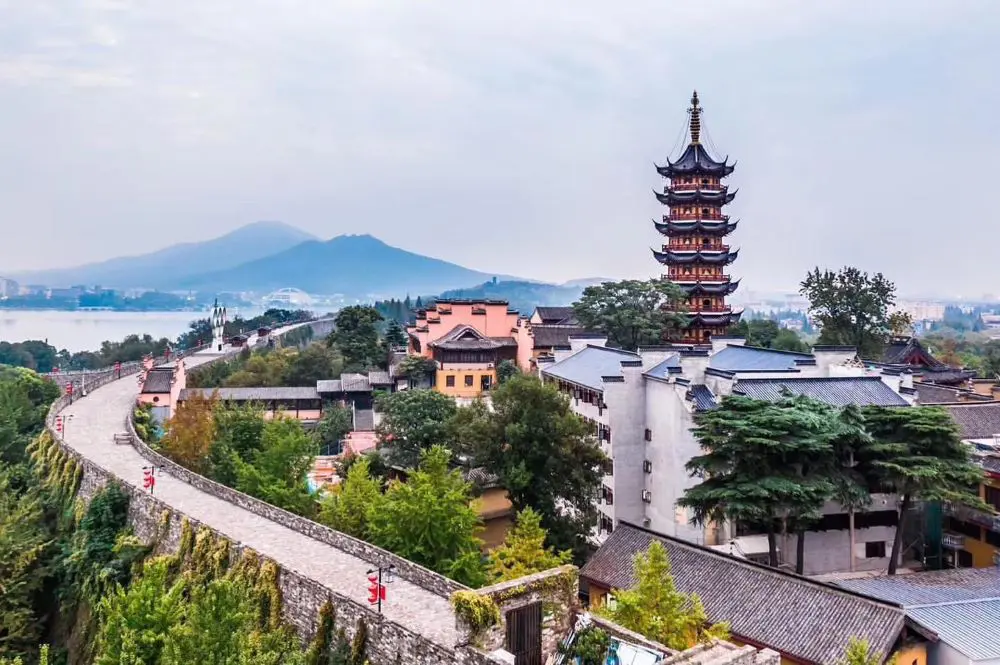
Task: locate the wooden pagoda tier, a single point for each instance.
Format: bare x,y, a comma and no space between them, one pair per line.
695,226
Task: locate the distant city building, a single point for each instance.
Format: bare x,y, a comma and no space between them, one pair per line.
923,311
9,288
695,254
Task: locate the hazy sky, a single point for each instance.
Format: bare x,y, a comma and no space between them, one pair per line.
514,137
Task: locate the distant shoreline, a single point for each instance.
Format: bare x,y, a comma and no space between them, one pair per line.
125,310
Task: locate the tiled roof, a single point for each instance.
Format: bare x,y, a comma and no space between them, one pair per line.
158,381
703,397
929,393
330,386
253,394
546,336
586,367
482,478
976,421
904,351
807,620
355,383
837,391
736,358
554,314
466,338
962,606
379,378
663,369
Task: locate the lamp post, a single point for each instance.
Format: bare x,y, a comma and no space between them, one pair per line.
376,588
62,421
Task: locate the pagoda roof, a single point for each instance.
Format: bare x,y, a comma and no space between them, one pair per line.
718,257
720,227
695,160
672,197
710,319
710,288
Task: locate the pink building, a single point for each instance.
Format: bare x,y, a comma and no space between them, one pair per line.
468,339
161,387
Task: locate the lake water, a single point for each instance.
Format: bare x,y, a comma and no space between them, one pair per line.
84,331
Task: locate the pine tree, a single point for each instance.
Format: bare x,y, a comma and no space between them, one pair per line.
654,608
523,551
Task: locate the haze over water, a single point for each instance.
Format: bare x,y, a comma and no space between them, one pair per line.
84,331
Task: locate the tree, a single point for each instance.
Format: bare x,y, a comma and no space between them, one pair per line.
921,457
654,608
429,520
356,336
412,421
190,433
506,370
395,337
215,628
314,363
135,620
277,472
590,646
543,454
632,313
333,427
416,369
859,652
238,432
852,308
756,332
523,551
789,340
349,509
762,462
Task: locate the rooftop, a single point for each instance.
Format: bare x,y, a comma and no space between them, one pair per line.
962,606
930,393
836,391
549,335
253,394
586,367
663,369
807,620
464,337
554,314
738,358
976,420
158,380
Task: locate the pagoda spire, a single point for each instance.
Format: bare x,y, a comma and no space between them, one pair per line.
695,252
695,113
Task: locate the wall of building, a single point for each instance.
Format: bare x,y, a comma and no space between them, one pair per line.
458,374
912,654
627,419
497,511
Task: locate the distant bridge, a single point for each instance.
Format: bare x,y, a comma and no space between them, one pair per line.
289,297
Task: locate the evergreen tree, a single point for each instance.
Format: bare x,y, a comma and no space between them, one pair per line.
920,455
429,520
655,609
333,427
523,551
413,421
349,509
356,336
277,472
632,313
395,337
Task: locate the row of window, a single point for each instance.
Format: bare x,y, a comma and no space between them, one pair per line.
469,381
691,180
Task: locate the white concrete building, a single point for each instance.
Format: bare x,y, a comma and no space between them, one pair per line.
643,405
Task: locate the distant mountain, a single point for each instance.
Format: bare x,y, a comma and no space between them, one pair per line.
357,266
163,268
522,296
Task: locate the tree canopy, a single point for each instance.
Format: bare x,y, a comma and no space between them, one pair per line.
523,551
853,308
631,312
356,336
413,421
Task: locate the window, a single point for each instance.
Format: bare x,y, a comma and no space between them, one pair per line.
449,381
469,381
704,211
704,181
992,537
647,466
993,497
649,435
875,550
607,526
608,495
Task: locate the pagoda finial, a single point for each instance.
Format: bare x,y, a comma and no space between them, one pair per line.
695,112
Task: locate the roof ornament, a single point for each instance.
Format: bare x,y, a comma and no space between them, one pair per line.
695,113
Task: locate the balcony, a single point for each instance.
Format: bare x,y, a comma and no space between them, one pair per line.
677,216
710,310
691,247
953,541
980,517
696,278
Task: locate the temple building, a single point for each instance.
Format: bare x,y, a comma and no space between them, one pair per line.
695,254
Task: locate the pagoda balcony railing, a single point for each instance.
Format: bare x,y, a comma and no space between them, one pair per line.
697,278
695,216
691,247
715,309
696,186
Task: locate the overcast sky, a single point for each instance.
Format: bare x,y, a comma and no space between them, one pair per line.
515,137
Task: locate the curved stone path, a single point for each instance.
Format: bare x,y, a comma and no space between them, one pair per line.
101,414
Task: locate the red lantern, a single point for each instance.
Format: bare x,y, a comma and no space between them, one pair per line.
376,591
59,424
148,478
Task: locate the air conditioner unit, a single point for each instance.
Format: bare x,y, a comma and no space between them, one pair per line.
645,521
647,466
647,496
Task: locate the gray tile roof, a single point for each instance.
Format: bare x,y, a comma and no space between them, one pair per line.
379,378
546,336
736,358
355,383
837,391
330,386
554,314
976,421
253,394
962,606
586,367
482,478
807,620
466,338
663,369
158,381
703,397
929,393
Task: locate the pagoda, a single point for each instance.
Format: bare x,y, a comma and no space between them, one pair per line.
695,253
